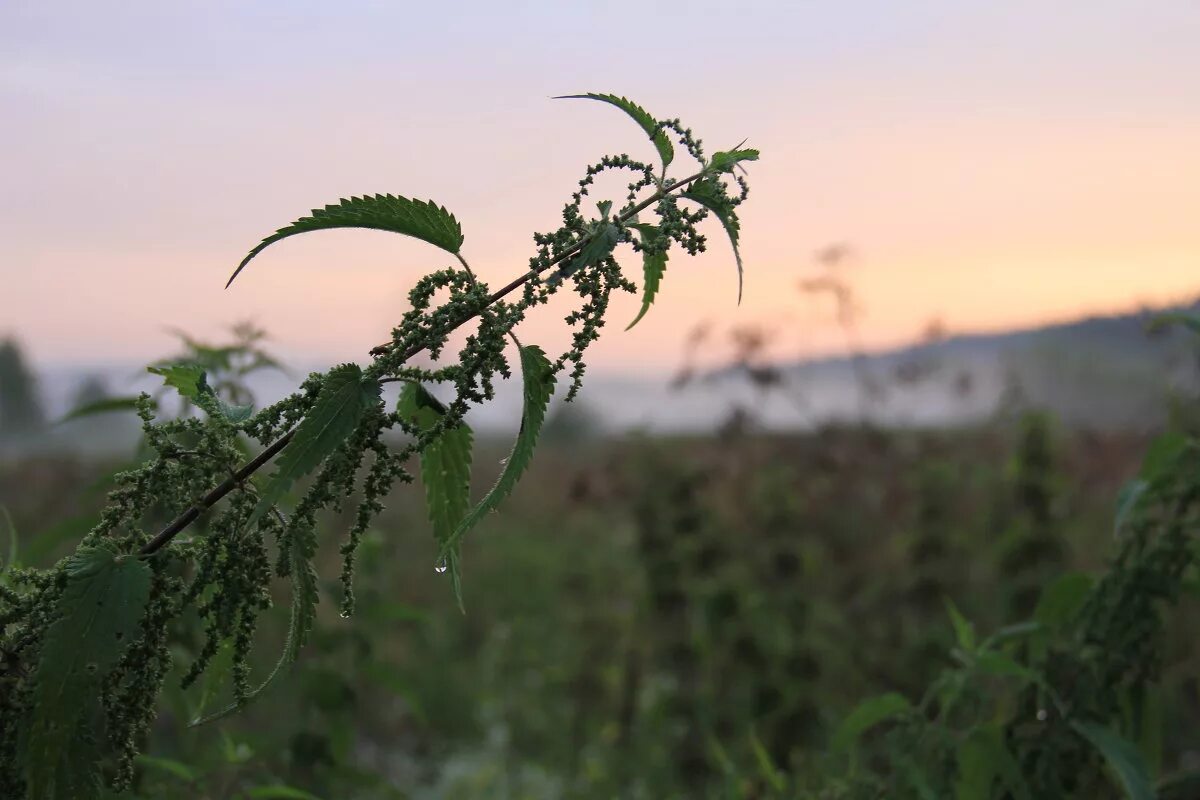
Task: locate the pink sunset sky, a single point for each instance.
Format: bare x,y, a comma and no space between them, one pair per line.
991,164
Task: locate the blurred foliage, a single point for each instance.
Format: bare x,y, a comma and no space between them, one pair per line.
20,407
696,618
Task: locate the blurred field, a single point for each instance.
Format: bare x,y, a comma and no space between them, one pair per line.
649,614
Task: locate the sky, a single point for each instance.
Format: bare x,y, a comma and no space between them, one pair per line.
990,164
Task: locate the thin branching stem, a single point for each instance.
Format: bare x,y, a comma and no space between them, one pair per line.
189,516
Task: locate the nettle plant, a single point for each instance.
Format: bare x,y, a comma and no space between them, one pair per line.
85,644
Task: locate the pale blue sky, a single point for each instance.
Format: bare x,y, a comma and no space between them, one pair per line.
994,163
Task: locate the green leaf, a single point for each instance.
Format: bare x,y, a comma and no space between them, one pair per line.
445,472
1127,501
1063,599
98,615
597,248
770,773
537,375
280,792
104,406
964,631
426,221
654,264
725,161
176,769
1122,756
1004,666
344,398
710,194
14,543
187,379
191,381
649,124
867,715
1164,456
982,758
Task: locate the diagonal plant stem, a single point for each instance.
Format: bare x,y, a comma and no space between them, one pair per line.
177,525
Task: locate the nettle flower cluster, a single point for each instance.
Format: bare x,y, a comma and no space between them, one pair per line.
85,644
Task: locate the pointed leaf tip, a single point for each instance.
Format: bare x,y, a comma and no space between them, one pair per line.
662,142
421,219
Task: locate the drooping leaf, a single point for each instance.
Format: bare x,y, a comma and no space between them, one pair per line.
867,715
1122,757
662,142
344,398
596,249
188,379
1063,599
709,193
537,375
725,161
424,220
445,472
654,264
104,406
99,614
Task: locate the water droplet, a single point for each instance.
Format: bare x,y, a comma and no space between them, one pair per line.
345,614
439,567
503,461
1042,715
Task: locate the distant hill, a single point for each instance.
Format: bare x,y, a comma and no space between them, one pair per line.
1106,371
1100,371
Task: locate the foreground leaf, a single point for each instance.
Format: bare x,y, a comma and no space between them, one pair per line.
341,404
662,143
711,195
99,614
445,472
654,264
1122,756
422,220
537,375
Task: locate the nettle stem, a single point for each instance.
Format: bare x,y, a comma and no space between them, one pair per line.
181,522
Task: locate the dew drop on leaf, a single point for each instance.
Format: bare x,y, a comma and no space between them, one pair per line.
1042,715
440,567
